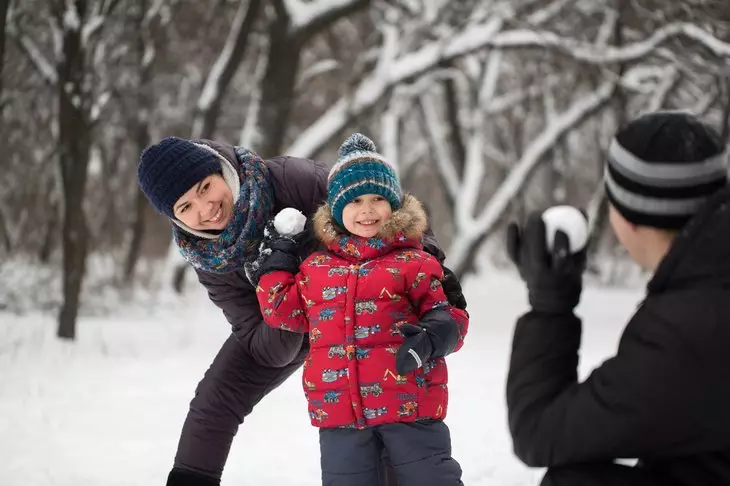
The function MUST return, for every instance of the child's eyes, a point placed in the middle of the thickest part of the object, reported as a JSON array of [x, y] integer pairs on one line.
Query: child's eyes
[[205, 188], [359, 200], [183, 209]]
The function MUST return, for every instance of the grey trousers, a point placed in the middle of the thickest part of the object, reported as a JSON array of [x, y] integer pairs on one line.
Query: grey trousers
[[419, 453]]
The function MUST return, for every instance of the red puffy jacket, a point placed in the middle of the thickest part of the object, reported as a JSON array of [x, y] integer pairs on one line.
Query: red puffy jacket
[[351, 300]]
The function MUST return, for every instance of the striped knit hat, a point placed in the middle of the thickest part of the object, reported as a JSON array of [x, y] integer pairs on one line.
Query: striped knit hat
[[662, 167], [361, 170]]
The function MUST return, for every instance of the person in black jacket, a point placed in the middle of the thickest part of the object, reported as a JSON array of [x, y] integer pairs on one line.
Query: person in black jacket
[[664, 398]]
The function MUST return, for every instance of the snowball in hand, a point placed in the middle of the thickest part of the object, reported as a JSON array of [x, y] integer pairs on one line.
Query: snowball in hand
[[289, 222], [571, 221]]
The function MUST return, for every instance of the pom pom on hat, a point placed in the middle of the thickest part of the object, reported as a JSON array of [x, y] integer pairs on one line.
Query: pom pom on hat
[[357, 142]]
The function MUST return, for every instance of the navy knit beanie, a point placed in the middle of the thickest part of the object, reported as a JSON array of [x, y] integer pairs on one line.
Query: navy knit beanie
[[662, 167], [361, 170], [168, 169]]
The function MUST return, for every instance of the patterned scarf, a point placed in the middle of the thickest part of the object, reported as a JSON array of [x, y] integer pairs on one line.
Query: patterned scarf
[[239, 240]]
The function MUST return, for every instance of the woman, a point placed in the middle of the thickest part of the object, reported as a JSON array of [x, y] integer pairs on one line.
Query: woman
[[218, 198]]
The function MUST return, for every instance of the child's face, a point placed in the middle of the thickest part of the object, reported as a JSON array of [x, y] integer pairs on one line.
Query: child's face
[[365, 215]]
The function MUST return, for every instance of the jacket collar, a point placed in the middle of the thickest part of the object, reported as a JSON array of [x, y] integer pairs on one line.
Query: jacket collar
[[700, 253], [404, 229]]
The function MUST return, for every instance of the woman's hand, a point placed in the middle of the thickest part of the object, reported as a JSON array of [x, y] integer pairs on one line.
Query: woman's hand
[[276, 252]]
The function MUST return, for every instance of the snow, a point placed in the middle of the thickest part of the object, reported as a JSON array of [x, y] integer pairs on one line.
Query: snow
[[569, 220], [289, 222], [108, 408]]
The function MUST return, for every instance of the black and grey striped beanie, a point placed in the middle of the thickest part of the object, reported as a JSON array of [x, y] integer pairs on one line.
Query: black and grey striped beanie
[[662, 167]]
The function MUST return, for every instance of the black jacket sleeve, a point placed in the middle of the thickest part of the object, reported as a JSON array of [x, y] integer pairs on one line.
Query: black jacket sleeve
[[648, 401]]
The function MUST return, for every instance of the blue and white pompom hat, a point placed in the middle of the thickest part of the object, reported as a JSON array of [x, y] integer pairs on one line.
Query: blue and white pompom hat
[[361, 170]]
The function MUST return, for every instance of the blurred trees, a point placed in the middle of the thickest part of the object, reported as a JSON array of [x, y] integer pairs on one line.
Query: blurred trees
[[490, 108]]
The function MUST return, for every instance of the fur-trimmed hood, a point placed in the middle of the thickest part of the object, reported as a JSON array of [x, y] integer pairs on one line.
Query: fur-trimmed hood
[[409, 220]]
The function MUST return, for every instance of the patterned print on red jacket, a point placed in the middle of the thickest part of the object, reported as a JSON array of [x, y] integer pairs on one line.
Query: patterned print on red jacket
[[351, 300]]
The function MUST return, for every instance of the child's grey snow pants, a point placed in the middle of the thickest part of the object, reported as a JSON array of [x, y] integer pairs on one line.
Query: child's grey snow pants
[[419, 452]]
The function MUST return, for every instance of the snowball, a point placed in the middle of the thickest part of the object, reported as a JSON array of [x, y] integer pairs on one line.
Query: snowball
[[289, 222], [571, 221]]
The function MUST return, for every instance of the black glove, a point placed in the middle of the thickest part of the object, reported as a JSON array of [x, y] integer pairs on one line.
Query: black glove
[[452, 289], [276, 252], [554, 279], [181, 477], [436, 335]]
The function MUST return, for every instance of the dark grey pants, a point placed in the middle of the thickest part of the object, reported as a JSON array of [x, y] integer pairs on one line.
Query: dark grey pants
[[607, 474], [419, 452]]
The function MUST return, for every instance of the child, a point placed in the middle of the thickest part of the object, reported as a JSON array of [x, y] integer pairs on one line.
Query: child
[[379, 327]]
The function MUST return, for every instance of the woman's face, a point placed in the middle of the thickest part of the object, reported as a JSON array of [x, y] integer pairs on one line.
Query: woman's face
[[208, 205], [365, 215]]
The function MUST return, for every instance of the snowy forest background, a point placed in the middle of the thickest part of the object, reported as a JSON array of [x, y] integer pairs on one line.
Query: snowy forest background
[[490, 108]]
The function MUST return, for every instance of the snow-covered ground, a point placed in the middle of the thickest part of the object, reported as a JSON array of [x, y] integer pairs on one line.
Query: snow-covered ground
[[107, 409]]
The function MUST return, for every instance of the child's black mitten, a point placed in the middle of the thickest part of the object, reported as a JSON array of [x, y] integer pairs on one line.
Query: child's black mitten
[[435, 336]]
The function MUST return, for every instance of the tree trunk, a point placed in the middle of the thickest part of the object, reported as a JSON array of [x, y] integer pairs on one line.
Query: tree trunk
[[5, 238], [4, 7], [724, 84], [142, 140], [74, 144], [458, 147], [49, 236], [138, 230], [277, 91]]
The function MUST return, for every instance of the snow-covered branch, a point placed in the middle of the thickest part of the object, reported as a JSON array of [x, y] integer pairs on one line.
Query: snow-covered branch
[[510, 187], [373, 87], [545, 14], [317, 69], [306, 16], [210, 90], [475, 167], [666, 84], [249, 133], [591, 53], [224, 67], [390, 133], [42, 64], [552, 133]]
